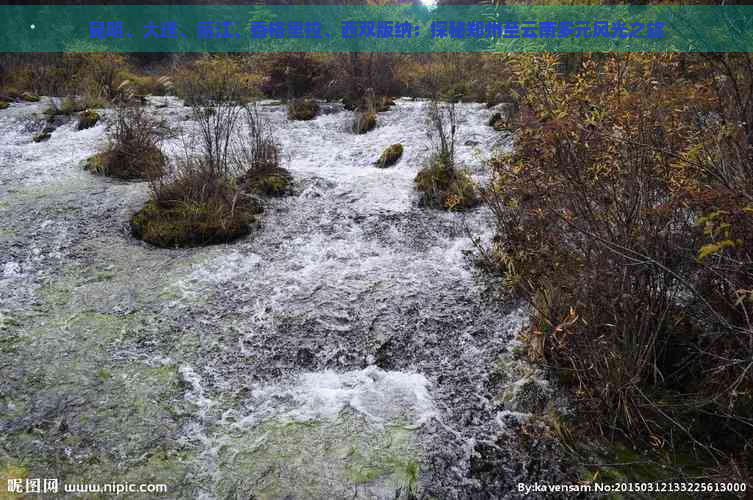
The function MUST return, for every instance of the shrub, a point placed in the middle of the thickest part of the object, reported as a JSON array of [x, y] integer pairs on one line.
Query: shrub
[[390, 156], [440, 183], [143, 85], [205, 80], [364, 122], [258, 156], [302, 109], [454, 76], [620, 219], [294, 75], [203, 202], [442, 186], [91, 74], [134, 150], [356, 73], [87, 119]]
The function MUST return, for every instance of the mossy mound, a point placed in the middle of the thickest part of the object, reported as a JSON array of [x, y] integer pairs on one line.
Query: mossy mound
[[4, 104], [29, 97], [118, 162], [390, 156], [189, 223], [269, 181], [87, 119], [303, 109], [443, 186], [364, 122]]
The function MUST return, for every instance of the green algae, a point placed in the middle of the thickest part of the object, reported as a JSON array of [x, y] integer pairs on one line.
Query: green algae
[[282, 458]]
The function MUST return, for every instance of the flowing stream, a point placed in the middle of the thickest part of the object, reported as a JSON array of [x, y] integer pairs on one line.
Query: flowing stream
[[348, 348]]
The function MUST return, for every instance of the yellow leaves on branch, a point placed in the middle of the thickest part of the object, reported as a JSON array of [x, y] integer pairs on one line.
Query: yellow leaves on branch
[[714, 248]]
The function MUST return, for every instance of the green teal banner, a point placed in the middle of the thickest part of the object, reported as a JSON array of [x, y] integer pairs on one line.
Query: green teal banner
[[371, 28]]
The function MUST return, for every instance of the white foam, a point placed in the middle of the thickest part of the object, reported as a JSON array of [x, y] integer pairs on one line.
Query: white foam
[[12, 270], [380, 396]]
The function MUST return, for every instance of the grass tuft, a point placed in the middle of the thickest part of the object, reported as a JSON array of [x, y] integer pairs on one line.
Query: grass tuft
[[302, 109], [390, 156]]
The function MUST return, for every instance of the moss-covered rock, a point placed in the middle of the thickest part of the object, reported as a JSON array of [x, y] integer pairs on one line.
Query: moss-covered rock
[[390, 156], [87, 119], [116, 162], [4, 104], [189, 223], [364, 122], [443, 186], [303, 109], [29, 97], [269, 181]]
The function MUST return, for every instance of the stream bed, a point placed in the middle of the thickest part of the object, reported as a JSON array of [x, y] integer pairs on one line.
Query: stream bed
[[348, 348]]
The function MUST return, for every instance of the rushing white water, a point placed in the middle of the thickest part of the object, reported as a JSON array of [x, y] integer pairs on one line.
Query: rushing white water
[[344, 349]]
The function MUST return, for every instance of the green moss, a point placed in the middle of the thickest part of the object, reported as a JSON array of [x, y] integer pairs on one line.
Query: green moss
[[29, 97], [193, 223], [104, 374], [10, 471], [87, 119], [443, 186], [364, 122], [390, 156], [272, 184], [303, 109], [4, 104], [267, 180], [279, 458]]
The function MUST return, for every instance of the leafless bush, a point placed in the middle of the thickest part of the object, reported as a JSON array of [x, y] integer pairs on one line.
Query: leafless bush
[[134, 149], [206, 199], [257, 148], [442, 126]]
